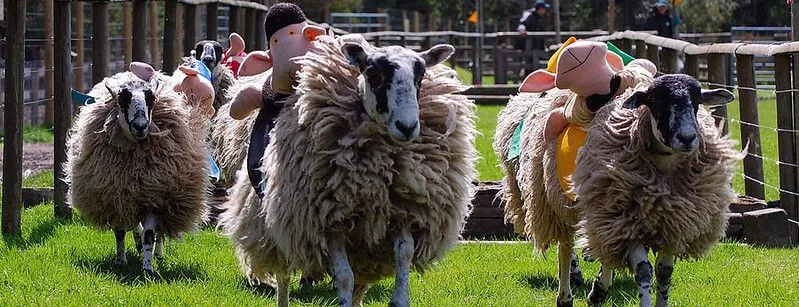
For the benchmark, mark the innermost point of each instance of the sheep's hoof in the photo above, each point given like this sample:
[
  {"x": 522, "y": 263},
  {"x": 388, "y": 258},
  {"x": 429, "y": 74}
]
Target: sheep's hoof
[
  {"x": 569, "y": 303},
  {"x": 307, "y": 282},
  {"x": 576, "y": 279},
  {"x": 159, "y": 257},
  {"x": 597, "y": 295},
  {"x": 149, "y": 274},
  {"x": 139, "y": 247},
  {"x": 121, "y": 262}
]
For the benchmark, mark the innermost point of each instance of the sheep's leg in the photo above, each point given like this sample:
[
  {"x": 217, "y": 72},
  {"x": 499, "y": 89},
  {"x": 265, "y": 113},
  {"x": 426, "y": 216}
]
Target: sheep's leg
[
  {"x": 343, "y": 277},
  {"x": 643, "y": 273},
  {"x": 359, "y": 294},
  {"x": 565, "y": 252},
  {"x": 599, "y": 291},
  {"x": 403, "y": 255},
  {"x": 137, "y": 237},
  {"x": 307, "y": 280},
  {"x": 159, "y": 246},
  {"x": 576, "y": 275},
  {"x": 119, "y": 235},
  {"x": 663, "y": 270},
  {"x": 283, "y": 281},
  {"x": 148, "y": 240}
]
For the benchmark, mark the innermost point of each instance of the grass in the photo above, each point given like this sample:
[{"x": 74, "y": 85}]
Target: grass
[
  {"x": 40, "y": 180},
  {"x": 68, "y": 263},
  {"x": 35, "y": 134},
  {"x": 489, "y": 170}
]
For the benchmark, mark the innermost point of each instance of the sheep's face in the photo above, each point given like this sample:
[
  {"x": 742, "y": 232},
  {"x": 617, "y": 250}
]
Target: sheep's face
[
  {"x": 390, "y": 83},
  {"x": 135, "y": 101},
  {"x": 673, "y": 102},
  {"x": 209, "y": 52}
]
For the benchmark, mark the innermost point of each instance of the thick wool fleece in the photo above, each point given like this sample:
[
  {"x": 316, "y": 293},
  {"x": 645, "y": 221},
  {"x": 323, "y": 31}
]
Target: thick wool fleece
[
  {"x": 625, "y": 199},
  {"x": 534, "y": 200},
  {"x": 115, "y": 182},
  {"x": 230, "y": 138},
  {"x": 333, "y": 171}
]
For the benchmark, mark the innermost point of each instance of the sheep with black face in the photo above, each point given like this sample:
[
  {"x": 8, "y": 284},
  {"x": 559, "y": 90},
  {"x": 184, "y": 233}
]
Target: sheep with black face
[
  {"x": 369, "y": 171},
  {"x": 654, "y": 173},
  {"x": 135, "y": 157}
]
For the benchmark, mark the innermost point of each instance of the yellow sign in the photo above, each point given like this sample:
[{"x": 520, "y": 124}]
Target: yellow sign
[{"x": 473, "y": 17}]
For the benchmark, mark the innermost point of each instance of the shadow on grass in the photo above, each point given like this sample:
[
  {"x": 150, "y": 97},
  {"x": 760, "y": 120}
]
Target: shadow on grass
[
  {"x": 321, "y": 294},
  {"x": 622, "y": 289},
  {"x": 39, "y": 234},
  {"x": 131, "y": 273}
]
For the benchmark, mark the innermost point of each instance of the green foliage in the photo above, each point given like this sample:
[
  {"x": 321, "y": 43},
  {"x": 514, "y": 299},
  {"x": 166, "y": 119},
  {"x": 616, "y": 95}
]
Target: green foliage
[
  {"x": 34, "y": 134},
  {"x": 68, "y": 263},
  {"x": 708, "y": 15}
]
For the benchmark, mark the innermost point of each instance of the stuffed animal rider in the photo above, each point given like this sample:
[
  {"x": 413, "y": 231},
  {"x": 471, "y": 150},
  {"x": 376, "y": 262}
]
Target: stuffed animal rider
[
  {"x": 289, "y": 36},
  {"x": 233, "y": 56}
]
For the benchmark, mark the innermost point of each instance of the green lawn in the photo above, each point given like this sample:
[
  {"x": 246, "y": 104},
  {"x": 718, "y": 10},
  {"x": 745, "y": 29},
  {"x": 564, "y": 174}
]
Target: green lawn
[
  {"x": 68, "y": 263},
  {"x": 489, "y": 170},
  {"x": 35, "y": 134},
  {"x": 40, "y": 180}
]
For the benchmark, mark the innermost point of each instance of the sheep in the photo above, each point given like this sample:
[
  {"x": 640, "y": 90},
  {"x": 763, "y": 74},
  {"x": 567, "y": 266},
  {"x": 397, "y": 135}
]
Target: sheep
[
  {"x": 536, "y": 202},
  {"x": 136, "y": 156},
  {"x": 655, "y": 172},
  {"x": 362, "y": 181},
  {"x": 211, "y": 53}
]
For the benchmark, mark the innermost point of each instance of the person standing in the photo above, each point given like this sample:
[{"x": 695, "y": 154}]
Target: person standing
[
  {"x": 532, "y": 20},
  {"x": 660, "y": 20}
]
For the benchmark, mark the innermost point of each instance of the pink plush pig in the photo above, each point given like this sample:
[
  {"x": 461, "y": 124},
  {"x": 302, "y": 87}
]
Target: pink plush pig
[
  {"x": 289, "y": 36},
  {"x": 187, "y": 80},
  {"x": 233, "y": 56}
]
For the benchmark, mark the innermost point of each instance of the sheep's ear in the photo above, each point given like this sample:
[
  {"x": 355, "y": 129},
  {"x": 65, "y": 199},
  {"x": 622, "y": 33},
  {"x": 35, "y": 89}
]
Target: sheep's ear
[
  {"x": 142, "y": 70},
  {"x": 236, "y": 44},
  {"x": 636, "y": 100},
  {"x": 716, "y": 97},
  {"x": 354, "y": 54},
  {"x": 155, "y": 84},
  {"x": 437, "y": 54},
  {"x": 111, "y": 91},
  {"x": 538, "y": 81}
]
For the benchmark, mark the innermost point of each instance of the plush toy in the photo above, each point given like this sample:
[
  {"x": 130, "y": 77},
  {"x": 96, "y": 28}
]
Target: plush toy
[
  {"x": 289, "y": 36},
  {"x": 233, "y": 56},
  {"x": 590, "y": 70}
]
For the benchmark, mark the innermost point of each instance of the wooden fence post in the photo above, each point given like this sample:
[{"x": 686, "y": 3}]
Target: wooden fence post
[
  {"x": 500, "y": 67},
  {"x": 12, "y": 125},
  {"x": 212, "y": 21},
  {"x": 154, "y": 46},
  {"x": 653, "y": 54},
  {"x": 170, "y": 36},
  {"x": 640, "y": 49},
  {"x": 260, "y": 31},
  {"x": 249, "y": 37},
  {"x": 127, "y": 13},
  {"x": 750, "y": 132},
  {"x": 669, "y": 62},
  {"x": 786, "y": 139},
  {"x": 139, "y": 31},
  {"x": 79, "y": 45},
  {"x": 189, "y": 28},
  {"x": 100, "y": 51},
  {"x": 692, "y": 65},
  {"x": 627, "y": 45},
  {"x": 234, "y": 19},
  {"x": 717, "y": 75},
  {"x": 48, "y": 64},
  {"x": 63, "y": 106}
]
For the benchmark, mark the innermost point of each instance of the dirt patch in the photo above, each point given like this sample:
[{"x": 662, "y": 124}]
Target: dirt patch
[{"x": 35, "y": 158}]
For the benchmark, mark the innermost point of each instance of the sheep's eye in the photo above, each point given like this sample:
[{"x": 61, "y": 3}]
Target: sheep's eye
[
  {"x": 274, "y": 41},
  {"x": 291, "y": 32}
]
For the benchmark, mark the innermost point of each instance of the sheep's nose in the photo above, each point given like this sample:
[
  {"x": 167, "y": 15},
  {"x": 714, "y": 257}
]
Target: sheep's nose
[
  {"x": 139, "y": 125},
  {"x": 686, "y": 137},
  {"x": 408, "y": 129},
  {"x": 208, "y": 61}
]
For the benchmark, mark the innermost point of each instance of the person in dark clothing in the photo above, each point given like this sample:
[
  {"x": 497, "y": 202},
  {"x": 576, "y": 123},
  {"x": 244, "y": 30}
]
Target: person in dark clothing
[
  {"x": 659, "y": 20},
  {"x": 532, "y": 20}
]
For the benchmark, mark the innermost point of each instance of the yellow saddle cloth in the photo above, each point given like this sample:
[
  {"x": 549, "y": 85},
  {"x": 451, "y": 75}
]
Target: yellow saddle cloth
[{"x": 569, "y": 141}]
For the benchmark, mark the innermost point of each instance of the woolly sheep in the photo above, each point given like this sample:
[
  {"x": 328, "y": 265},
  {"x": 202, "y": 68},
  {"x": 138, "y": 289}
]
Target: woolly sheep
[
  {"x": 136, "y": 156},
  {"x": 655, "y": 173},
  {"x": 358, "y": 175},
  {"x": 535, "y": 202}
]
